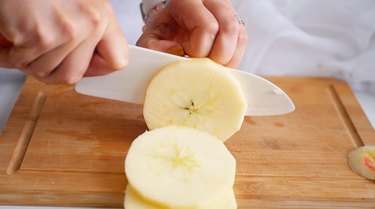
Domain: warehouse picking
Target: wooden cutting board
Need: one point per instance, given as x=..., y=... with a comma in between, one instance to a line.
x=60, y=148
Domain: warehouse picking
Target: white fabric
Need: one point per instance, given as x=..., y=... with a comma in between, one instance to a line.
x=334, y=38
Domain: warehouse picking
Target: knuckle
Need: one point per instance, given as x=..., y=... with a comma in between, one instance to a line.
x=212, y=28
x=45, y=42
x=229, y=26
x=50, y=79
x=41, y=74
x=11, y=34
x=108, y=7
x=70, y=32
x=94, y=16
x=17, y=61
x=122, y=63
x=40, y=38
x=243, y=37
x=71, y=79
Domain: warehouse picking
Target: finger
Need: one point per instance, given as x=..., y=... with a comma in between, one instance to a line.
x=200, y=24
x=44, y=65
x=241, y=48
x=5, y=46
x=151, y=41
x=224, y=46
x=47, y=35
x=111, y=53
x=160, y=33
x=113, y=48
x=21, y=54
x=4, y=58
x=98, y=66
x=4, y=42
x=75, y=64
x=98, y=56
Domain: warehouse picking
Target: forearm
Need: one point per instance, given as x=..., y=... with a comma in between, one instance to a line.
x=149, y=4
x=150, y=8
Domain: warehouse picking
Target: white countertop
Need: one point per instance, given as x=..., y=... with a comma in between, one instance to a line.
x=11, y=82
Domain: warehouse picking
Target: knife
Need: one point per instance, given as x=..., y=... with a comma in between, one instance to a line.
x=130, y=84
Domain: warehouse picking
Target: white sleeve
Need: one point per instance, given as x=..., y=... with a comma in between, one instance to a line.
x=149, y=4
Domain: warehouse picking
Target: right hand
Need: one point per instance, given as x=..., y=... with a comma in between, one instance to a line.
x=202, y=28
x=59, y=41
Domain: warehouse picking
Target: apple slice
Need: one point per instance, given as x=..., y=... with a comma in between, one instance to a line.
x=179, y=167
x=197, y=93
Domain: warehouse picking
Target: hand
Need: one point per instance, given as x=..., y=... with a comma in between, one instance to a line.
x=59, y=41
x=206, y=28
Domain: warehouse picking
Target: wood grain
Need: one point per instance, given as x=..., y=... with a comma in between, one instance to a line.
x=60, y=148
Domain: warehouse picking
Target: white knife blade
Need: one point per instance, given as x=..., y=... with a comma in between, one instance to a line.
x=130, y=84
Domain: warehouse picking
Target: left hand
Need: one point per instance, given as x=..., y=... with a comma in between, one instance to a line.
x=203, y=28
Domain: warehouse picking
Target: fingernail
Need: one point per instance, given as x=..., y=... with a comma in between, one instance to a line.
x=176, y=50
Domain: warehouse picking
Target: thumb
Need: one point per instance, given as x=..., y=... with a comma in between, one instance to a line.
x=152, y=41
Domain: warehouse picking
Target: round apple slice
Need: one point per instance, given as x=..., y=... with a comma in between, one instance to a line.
x=179, y=167
x=197, y=93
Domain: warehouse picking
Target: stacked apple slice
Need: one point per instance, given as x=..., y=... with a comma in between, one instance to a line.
x=191, y=108
x=179, y=167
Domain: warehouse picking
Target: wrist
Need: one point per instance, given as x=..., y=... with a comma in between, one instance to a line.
x=150, y=8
